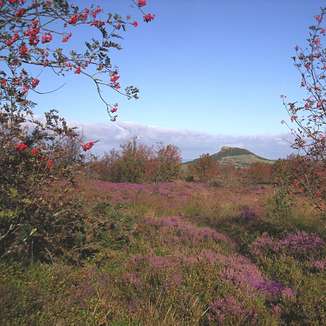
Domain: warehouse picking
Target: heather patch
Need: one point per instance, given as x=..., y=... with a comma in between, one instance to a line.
x=229, y=311
x=319, y=265
x=241, y=272
x=299, y=245
x=236, y=269
x=247, y=214
x=187, y=231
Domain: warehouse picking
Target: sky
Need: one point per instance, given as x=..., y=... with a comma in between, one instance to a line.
x=192, y=143
x=208, y=67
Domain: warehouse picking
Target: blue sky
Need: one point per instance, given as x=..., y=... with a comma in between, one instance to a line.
x=213, y=66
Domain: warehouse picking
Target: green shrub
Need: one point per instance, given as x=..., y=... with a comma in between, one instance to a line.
x=280, y=205
x=39, y=218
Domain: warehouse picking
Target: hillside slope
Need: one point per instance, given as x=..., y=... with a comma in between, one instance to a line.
x=236, y=156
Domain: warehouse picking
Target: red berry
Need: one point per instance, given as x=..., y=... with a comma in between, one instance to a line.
x=142, y=3
x=35, y=82
x=21, y=147
x=73, y=20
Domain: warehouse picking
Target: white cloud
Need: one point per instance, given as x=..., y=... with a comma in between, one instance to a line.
x=191, y=143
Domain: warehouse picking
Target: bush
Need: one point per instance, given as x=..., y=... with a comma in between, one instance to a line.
x=36, y=221
x=139, y=163
x=280, y=205
x=302, y=175
x=168, y=160
x=260, y=173
x=205, y=167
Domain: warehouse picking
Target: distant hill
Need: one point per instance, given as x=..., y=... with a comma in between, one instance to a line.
x=238, y=157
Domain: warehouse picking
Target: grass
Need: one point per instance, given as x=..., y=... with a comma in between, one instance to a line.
x=180, y=254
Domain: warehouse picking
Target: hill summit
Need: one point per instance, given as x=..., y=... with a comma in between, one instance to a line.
x=238, y=157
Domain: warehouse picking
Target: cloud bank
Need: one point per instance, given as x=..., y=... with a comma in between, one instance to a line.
x=191, y=143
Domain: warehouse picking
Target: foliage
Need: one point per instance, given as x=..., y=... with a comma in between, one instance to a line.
x=231, y=166
x=260, y=173
x=280, y=204
x=39, y=217
x=38, y=33
x=35, y=222
x=204, y=167
x=168, y=162
x=301, y=175
x=309, y=116
x=138, y=163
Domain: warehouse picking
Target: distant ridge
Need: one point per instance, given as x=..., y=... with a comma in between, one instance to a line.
x=236, y=156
